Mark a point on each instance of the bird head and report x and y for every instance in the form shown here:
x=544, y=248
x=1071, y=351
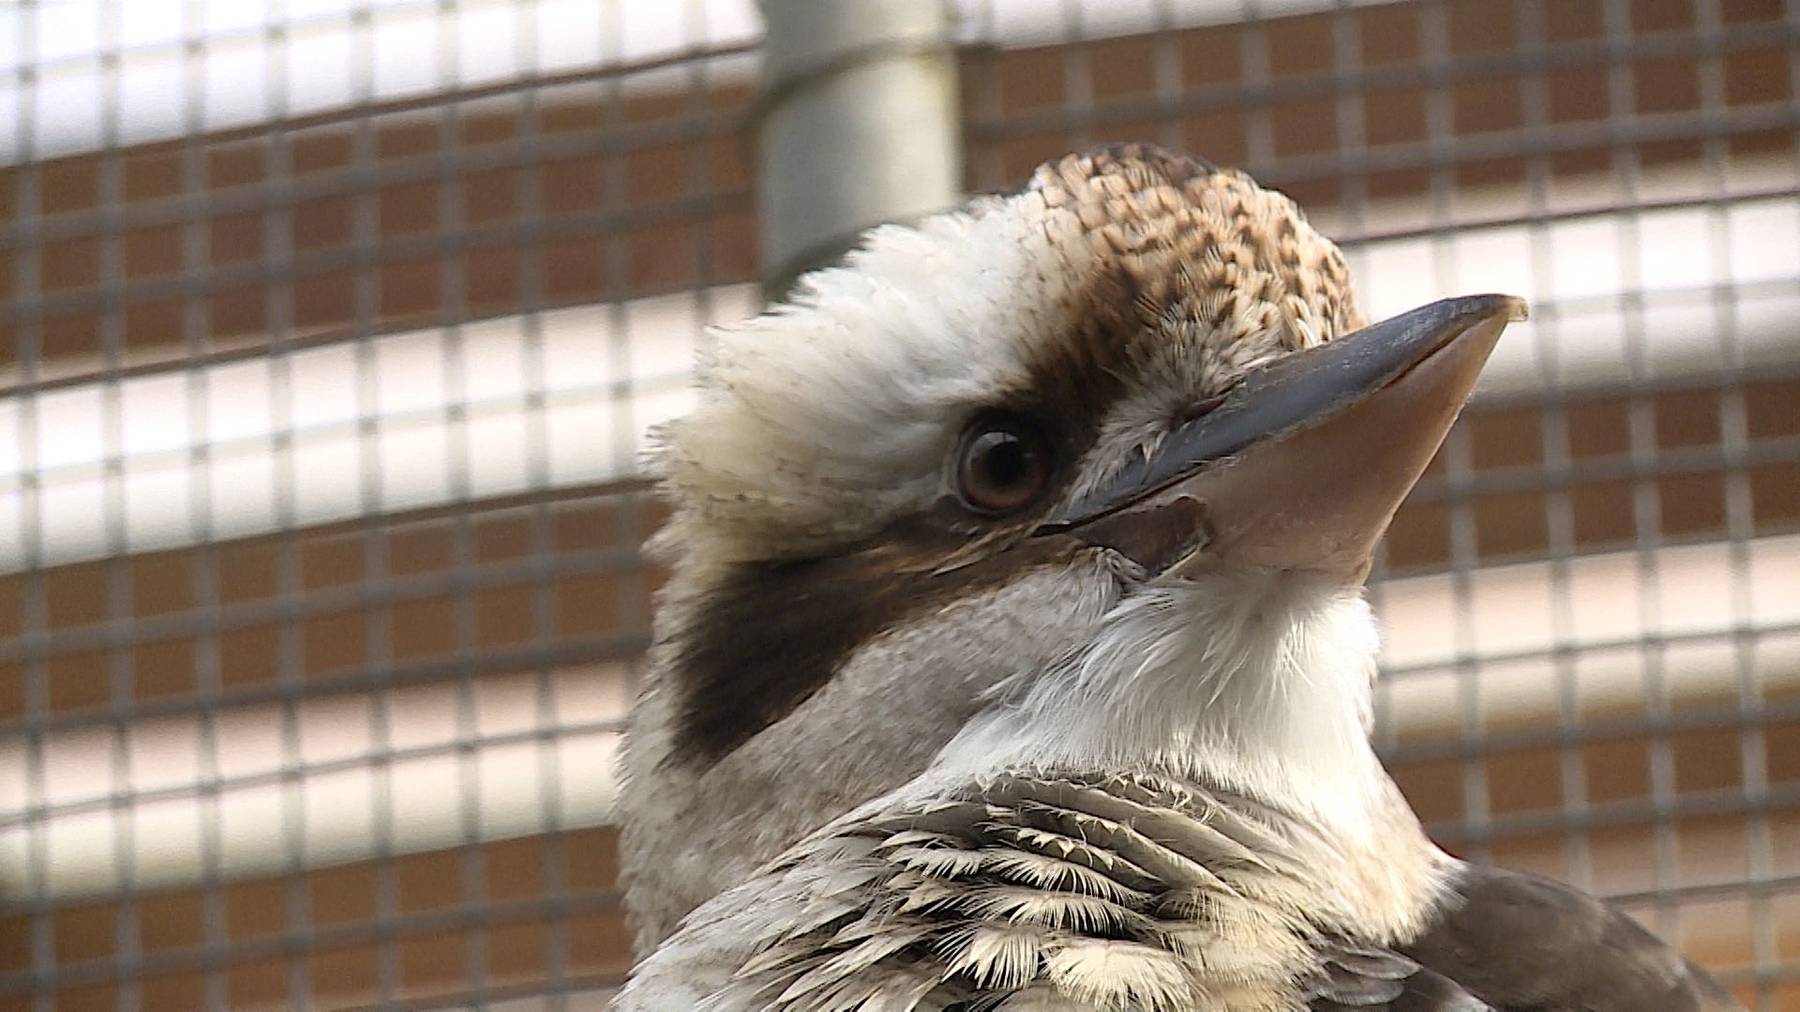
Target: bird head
x=1139, y=368
x=953, y=461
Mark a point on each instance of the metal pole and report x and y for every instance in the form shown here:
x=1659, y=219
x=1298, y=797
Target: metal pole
x=859, y=125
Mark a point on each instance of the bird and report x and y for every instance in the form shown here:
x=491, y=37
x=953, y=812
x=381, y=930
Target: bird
x=1015, y=653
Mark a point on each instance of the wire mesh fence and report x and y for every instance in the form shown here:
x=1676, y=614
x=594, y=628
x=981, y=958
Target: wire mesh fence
x=331, y=331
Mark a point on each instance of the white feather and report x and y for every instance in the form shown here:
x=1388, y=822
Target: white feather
x=827, y=416
x=1261, y=679
x=1122, y=975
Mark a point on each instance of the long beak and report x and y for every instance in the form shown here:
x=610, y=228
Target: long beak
x=1303, y=464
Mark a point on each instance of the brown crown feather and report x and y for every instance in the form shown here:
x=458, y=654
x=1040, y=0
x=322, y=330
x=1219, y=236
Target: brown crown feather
x=1183, y=238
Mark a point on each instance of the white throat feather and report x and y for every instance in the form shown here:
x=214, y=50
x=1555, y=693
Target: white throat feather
x=1258, y=682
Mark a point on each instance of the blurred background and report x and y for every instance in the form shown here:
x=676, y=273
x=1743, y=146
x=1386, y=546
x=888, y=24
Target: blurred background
x=329, y=332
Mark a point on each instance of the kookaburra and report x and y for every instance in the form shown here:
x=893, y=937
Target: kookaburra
x=1015, y=654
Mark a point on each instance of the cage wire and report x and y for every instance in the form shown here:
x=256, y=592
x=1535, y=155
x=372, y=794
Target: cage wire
x=333, y=330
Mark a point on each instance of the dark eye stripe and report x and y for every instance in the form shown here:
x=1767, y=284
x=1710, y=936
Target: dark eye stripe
x=773, y=633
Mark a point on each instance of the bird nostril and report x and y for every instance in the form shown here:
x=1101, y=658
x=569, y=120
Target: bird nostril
x=1197, y=410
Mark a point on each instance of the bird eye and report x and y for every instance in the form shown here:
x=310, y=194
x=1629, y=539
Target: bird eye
x=1004, y=465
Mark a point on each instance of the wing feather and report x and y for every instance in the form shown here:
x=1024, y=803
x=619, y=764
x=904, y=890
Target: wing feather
x=1109, y=891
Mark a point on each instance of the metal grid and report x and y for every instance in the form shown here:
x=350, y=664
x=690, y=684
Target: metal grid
x=339, y=742
x=1569, y=136
x=328, y=659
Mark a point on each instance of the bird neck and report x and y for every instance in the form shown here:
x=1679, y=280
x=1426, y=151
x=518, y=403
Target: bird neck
x=1257, y=682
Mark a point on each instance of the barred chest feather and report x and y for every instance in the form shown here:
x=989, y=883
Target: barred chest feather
x=1075, y=891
